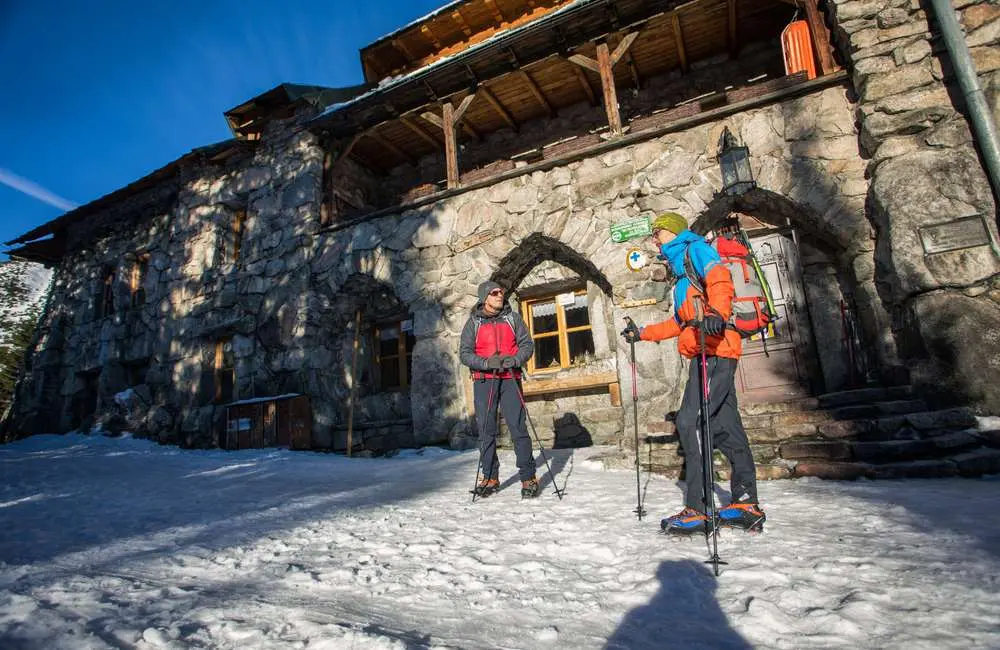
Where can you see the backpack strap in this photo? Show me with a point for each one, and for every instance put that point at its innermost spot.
(692, 273)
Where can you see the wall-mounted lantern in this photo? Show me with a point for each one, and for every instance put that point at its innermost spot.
(734, 159)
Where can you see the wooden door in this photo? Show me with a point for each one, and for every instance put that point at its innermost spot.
(782, 366)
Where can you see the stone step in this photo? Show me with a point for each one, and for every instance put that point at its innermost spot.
(864, 395)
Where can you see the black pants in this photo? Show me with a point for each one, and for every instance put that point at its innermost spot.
(728, 434)
(489, 394)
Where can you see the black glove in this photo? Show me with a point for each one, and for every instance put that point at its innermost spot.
(631, 332)
(508, 362)
(713, 326)
(494, 362)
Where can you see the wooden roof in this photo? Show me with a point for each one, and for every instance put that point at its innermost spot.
(454, 27)
(526, 73)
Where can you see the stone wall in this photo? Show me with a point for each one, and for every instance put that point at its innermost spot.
(289, 304)
(925, 173)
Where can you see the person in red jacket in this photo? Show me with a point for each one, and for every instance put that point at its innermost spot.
(685, 251)
(495, 344)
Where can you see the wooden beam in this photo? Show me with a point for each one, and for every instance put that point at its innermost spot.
(402, 49)
(464, 106)
(379, 138)
(679, 41)
(733, 36)
(585, 62)
(330, 164)
(585, 84)
(491, 5)
(423, 135)
(450, 144)
(821, 37)
(608, 85)
(460, 19)
(623, 47)
(433, 119)
(571, 383)
(500, 109)
(633, 70)
(426, 31)
(348, 148)
(471, 131)
(537, 92)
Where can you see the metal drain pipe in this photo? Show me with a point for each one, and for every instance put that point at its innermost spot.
(984, 129)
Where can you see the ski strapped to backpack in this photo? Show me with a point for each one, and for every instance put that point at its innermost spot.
(753, 308)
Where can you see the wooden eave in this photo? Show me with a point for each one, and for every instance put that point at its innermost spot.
(451, 29)
(509, 65)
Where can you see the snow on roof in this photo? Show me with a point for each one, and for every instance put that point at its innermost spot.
(391, 82)
(433, 14)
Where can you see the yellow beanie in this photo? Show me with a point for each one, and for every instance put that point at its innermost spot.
(671, 222)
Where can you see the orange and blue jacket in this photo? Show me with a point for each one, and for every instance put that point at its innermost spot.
(719, 289)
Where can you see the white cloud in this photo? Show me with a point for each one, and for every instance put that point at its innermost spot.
(32, 189)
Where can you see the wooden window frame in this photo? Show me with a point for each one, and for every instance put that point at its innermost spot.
(238, 229)
(219, 368)
(136, 280)
(561, 330)
(404, 358)
(107, 298)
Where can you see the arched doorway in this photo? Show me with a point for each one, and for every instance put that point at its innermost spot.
(815, 345)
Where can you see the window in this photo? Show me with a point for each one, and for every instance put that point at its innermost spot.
(560, 328)
(104, 302)
(225, 370)
(137, 280)
(393, 354)
(239, 225)
(230, 242)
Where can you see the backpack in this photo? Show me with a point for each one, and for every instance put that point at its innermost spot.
(752, 311)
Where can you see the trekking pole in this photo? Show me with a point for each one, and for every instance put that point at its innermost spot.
(520, 395)
(489, 408)
(631, 327)
(706, 443)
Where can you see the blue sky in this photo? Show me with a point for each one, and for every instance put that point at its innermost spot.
(98, 94)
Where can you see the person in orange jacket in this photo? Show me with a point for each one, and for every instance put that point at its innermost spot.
(686, 252)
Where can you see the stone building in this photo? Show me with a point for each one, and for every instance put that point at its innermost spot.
(333, 247)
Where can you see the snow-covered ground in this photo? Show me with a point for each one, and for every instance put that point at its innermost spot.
(120, 543)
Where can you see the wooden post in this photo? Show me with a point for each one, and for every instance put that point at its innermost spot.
(354, 382)
(450, 144)
(608, 85)
(821, 37)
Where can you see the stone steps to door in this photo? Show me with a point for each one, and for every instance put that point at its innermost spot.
(872, 432)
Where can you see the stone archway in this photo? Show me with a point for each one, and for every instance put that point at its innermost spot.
(536, 248)
(837, 281)
(572, 386)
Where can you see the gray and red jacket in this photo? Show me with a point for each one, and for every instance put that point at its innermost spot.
(504, 334)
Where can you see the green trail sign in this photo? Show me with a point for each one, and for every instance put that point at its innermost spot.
(630, 229)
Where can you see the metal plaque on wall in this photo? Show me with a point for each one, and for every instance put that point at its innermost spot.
(967, 232)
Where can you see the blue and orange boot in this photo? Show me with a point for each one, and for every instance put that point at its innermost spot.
(742, 514)
(686, 522)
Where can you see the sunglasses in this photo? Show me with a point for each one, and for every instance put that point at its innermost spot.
(496, 292)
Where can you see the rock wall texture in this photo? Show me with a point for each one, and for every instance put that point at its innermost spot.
(925, 172)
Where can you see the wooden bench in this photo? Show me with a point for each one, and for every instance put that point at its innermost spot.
(608, 380)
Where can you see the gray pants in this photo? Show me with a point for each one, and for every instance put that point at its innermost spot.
(489, 394)
(728, 434)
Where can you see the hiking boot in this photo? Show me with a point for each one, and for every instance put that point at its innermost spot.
(686, 522)
(487, 487)
(529, 488)
(747, 516)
